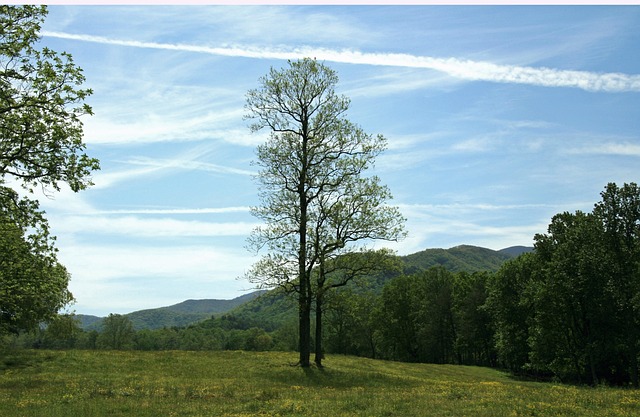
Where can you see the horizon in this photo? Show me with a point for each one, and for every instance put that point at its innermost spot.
(262, 290)
(497, 118)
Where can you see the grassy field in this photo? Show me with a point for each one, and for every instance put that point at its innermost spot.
(102, 383)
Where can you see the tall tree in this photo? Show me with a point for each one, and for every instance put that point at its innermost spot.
(474, 333)
(396, 319)
(312, 157)
(574, 319)
(41, 105)
(511, 308)
(619, 212)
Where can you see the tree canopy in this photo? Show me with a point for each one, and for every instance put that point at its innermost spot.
(41, 104)
(316, 199)
(41, 145)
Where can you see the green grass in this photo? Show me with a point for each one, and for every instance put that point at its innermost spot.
(102, 383)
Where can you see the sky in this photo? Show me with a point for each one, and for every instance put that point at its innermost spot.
(497, 118)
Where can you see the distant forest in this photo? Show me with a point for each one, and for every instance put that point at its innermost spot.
(567, 309)
(261, 320)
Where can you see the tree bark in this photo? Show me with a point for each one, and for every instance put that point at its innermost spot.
(305, 329)
(319, 301)
(303, 272)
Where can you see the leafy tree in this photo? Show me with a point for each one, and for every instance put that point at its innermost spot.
(117, 333)
(61, 333)
(397, 326)
(619, 212)
(571, 308)
(511, 309)
(315, 200)
(474, 343)
(575, 318)
(336, 271)
(33, 285)
(433, 307)
(351, 323)
(41, 104)
(257, 339)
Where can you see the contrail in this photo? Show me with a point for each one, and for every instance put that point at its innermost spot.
(458, 68)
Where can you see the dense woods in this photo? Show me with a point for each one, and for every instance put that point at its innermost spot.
(567, 310)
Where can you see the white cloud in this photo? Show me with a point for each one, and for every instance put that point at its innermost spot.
(103, 179)
(124, 278)
(458, 68)
(187, 164)
(396, 82)
(611, 148)
(165, 126)
(214, 210)
(137, 227)
(478, 144)
(480, 224)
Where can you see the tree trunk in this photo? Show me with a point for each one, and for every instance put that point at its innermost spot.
(319, 355)
(634, 368)
(305, 278)
(304, 329)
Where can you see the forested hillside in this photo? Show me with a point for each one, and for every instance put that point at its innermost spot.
(269, 312)
(177, 315)
(457, 259)
(275, 310)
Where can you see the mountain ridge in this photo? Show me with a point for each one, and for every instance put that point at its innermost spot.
(467, 258)
(176, 315)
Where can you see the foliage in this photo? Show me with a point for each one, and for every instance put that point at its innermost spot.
(41, 104)
(117, 333)
(110, 383)
(511, 309)
(317, 203)
(570, 309)
(352, 323)
(573, 326)
(33, 284)
(619, 212)
(437, 317)
(457, 259)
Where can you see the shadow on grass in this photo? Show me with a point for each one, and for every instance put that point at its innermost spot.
(330, 376)
(20, 359)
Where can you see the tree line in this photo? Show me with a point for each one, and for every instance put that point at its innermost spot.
(569, 310)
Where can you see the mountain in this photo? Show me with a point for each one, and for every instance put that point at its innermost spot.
(210, 306)
(275, 310)
(514, 251)
(272, 309)
(177, 315)
(87, 321)
(457, 259)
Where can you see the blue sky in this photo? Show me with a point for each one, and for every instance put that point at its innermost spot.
(497, 118)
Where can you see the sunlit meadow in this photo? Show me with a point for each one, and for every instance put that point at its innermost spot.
(102, 383)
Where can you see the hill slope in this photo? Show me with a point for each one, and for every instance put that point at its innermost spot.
(177, 315)
(273, 310)
(457, 259)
